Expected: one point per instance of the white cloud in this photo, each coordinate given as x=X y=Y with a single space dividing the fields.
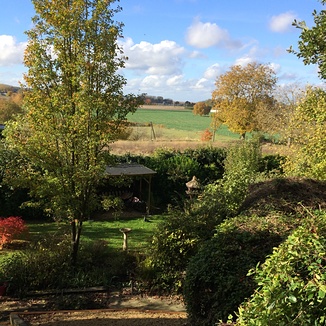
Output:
x=205 y=35
x=175 y=80
x=164 y=58
x=243 y=61
x=196 y=54
x=282 y=23
x=152 y=81
x=11 y=52
x=276 y=67
x=212 y=72
x=201 y=84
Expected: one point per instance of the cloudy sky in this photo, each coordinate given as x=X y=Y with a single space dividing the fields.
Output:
x=177 y=48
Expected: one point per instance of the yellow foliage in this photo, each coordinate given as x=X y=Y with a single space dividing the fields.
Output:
x=239 y=93
x=309 y=117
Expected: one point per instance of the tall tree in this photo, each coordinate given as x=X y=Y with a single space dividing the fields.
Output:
x=276 y=120
x=310 y=114
x=312 y=42
x=74 y=105
x=308 y=158
x=201 y=108
x=239 y=93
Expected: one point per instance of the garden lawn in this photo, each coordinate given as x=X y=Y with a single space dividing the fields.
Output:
x=108 y=231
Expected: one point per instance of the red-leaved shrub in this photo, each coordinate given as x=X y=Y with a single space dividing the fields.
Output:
x=206 y=135
x=9 y=228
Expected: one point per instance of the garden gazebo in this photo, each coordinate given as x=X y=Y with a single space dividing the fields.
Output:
x=134 y=170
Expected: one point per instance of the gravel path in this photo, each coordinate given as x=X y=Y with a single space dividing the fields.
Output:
x=109 y=309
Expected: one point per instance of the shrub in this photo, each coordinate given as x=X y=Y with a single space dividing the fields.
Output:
x=271 y=164
x=206 y=135
x=241 y=169
x=175 y=241
x=9 y=228
x=292 y=281
x=180 y=236
x=216 y=278
x=46 y=265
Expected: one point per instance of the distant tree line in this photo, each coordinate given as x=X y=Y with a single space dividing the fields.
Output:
x=160 y=100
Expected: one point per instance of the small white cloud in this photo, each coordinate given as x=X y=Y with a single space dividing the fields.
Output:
x=279 y=51
x=196 y=55
x=243 y=61
x=288 y=76
x=253 y=55
x=164 y=58
x=282 y=23
x=212 y=72
x=276 y=67
x=11 y=52
x=205 y=35
x=201 y=83
x=175 y=80
x=151 y=82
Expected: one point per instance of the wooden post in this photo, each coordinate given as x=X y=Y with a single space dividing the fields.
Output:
x=125 y=232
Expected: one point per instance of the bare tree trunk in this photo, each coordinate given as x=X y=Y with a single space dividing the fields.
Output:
x=76 y=227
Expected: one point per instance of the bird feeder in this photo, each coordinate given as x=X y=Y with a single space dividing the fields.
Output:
x=193 y=187
x=125 y=232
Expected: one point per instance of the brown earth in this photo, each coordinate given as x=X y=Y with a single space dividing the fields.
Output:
x=126 y=317
x=147 y=147
x=115 y=309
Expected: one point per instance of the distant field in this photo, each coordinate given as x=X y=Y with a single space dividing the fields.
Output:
x=181 y=122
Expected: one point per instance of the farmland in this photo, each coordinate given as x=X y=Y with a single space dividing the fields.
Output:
x=171 y=123
x=174 y=127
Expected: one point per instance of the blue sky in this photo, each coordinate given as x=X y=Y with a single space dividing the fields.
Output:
x=177 y=48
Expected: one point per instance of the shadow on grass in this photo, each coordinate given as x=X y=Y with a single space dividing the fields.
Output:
x=105 y=230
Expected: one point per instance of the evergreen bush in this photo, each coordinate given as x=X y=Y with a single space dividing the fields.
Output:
x=292 y=281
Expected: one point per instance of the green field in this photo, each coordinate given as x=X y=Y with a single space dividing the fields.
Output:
x=177 y=120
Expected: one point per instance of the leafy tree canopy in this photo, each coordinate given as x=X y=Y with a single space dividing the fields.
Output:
x=312 y=42
x=309 y=117
x=240 y=93
x=201 y=108
x=74 y=105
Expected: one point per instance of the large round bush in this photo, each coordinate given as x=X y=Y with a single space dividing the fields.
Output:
x=216 y=279
x=292 y=281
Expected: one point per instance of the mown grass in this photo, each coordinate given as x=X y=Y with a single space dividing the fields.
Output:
x=108 y=231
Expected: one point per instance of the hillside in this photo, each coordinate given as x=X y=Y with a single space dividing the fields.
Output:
x=4 y=88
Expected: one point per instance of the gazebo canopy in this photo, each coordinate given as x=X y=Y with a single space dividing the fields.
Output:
x=129 y=169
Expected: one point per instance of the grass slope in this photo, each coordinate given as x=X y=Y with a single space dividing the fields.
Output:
x=177 y=120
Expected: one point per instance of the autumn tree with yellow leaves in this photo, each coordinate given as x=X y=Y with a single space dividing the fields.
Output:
x=240 y=93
